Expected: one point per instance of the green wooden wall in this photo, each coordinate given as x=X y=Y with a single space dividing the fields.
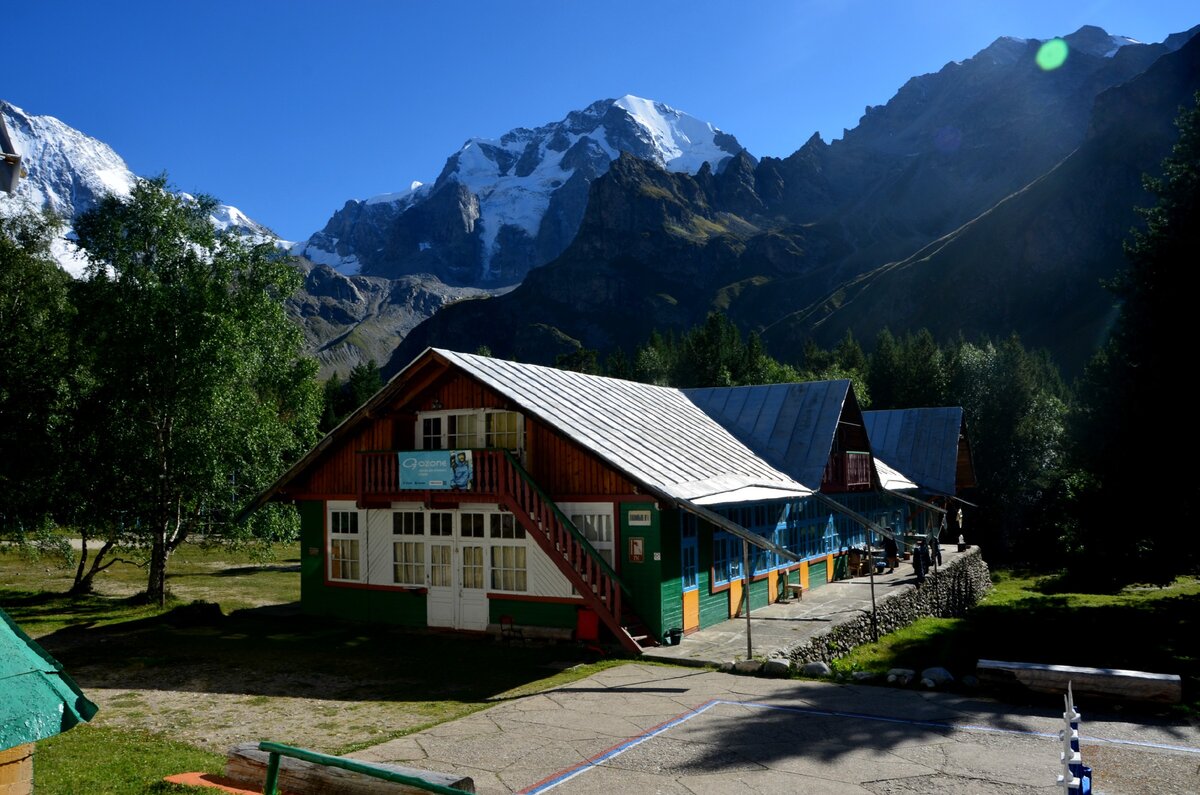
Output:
x=357 y=604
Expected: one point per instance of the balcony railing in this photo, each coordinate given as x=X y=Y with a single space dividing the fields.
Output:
x=848 y=471
x=378 y=477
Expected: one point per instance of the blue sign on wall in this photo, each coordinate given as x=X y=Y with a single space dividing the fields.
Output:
x=437 y=469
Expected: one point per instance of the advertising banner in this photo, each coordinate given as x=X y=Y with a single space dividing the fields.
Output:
x=437 y=469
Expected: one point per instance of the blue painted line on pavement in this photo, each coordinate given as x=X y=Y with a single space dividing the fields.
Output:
x=547 y=784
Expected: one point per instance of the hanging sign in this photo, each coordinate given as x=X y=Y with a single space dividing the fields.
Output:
x=437 y=469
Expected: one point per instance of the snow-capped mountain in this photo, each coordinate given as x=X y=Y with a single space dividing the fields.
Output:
x=68 y=172
x=502 y=207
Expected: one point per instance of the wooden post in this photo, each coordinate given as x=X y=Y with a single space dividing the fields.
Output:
x=746 y=591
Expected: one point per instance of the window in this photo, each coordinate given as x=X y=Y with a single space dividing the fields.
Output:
x=439 y=565
x=596 y=524
x=471 y=525
x=408 y=562
x=727 y=557
x=431 y=433
x=465 y=430
x=408 y=523
x=508 y=568
x=830 y=537
x=462 y=431
x=441 y=524
x=688 y=551
x=472 y=567
x=344 y=547
x=504 y=430
x=504 y=525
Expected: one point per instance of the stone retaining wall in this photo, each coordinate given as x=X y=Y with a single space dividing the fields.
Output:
x=949 y=593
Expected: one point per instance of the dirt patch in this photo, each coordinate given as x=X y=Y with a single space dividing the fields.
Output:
x=217 y=721
x=214 y=680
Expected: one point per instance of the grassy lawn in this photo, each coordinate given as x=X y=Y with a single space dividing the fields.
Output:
x=1030 y=619
x=176 y=688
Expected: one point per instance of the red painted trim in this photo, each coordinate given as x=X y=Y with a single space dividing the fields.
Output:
x=557 y=600
x=307 y=495
x=614 y=498
x=418 y=590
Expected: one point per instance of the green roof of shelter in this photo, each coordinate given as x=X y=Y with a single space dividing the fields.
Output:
x=37 y=697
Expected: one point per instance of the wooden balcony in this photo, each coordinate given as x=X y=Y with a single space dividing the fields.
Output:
x=377 y=480
x=848 y=471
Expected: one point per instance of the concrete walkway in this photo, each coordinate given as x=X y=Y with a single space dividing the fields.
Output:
x=778 y=628
x=642 y=728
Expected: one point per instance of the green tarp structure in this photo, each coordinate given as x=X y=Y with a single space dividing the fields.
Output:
x=37 y=697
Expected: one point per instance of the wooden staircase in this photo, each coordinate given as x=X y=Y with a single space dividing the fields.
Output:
x=575 y=557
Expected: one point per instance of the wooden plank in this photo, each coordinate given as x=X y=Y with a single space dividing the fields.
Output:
x=247 y=767
x=1112 y=683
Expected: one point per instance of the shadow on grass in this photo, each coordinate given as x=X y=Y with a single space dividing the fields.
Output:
x=275 y=652
x=242 y=571
x=1158 y=636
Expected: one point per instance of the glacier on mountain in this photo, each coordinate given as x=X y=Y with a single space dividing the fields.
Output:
x=514 y=180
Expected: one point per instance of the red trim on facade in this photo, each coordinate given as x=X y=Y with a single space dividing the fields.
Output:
x=418 y=590
x=618 y=498
x=557 y=600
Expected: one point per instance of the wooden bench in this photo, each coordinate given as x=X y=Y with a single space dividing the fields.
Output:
x=794 y=591
x=1112 y=683
x=247 y=766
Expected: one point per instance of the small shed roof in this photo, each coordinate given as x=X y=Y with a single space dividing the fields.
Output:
x=656 y=435
x=37 y=697
x=921 y=443
x=792 y=426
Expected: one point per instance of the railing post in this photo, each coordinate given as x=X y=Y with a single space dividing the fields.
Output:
x=271 y=785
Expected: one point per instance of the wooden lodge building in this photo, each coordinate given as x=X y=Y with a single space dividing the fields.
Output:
x=474 y=493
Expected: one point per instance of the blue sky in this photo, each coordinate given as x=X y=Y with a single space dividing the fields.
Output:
x=288 y=109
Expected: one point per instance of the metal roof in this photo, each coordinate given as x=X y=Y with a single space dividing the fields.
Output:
x=792 y=426
x=891 y=478
x=921 y=443
x=655 y=435
x=37 y=698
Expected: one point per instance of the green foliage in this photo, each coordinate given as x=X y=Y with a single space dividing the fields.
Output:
x=35 y=384
x=1116 y=427
x=580 y=360
x=1031 y=618
x=711 y=354
x=340 y=400
x=92 y=758
x=197 y=395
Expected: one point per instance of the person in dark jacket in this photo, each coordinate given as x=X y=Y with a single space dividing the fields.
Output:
x=891 y=553
x=921 y=561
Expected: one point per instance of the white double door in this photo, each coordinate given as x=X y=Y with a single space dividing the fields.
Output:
x=456 y=570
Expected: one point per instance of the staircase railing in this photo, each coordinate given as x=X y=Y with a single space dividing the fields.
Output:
x=498 y=474
x=560 y=539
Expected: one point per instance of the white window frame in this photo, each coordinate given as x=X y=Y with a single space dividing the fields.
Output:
x=356 y=540
x=605 y=509
x=480 y=435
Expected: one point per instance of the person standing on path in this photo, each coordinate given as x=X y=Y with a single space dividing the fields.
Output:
x=921 y=561
x=891 y=553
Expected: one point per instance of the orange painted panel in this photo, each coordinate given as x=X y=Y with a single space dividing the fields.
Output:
x=772 y=587
x=735 y=597
x=804 y=575
x=691 y=610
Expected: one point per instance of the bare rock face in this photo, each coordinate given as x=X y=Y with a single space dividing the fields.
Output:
x=503 y=207
x=349 y=320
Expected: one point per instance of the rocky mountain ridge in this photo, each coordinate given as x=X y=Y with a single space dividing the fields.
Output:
x=763 y=239
x=502 y=207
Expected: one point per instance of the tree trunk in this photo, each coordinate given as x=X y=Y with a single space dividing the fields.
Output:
x=84 y=579
x=156 y=587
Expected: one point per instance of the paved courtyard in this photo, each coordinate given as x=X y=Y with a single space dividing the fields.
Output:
x=643 y=728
